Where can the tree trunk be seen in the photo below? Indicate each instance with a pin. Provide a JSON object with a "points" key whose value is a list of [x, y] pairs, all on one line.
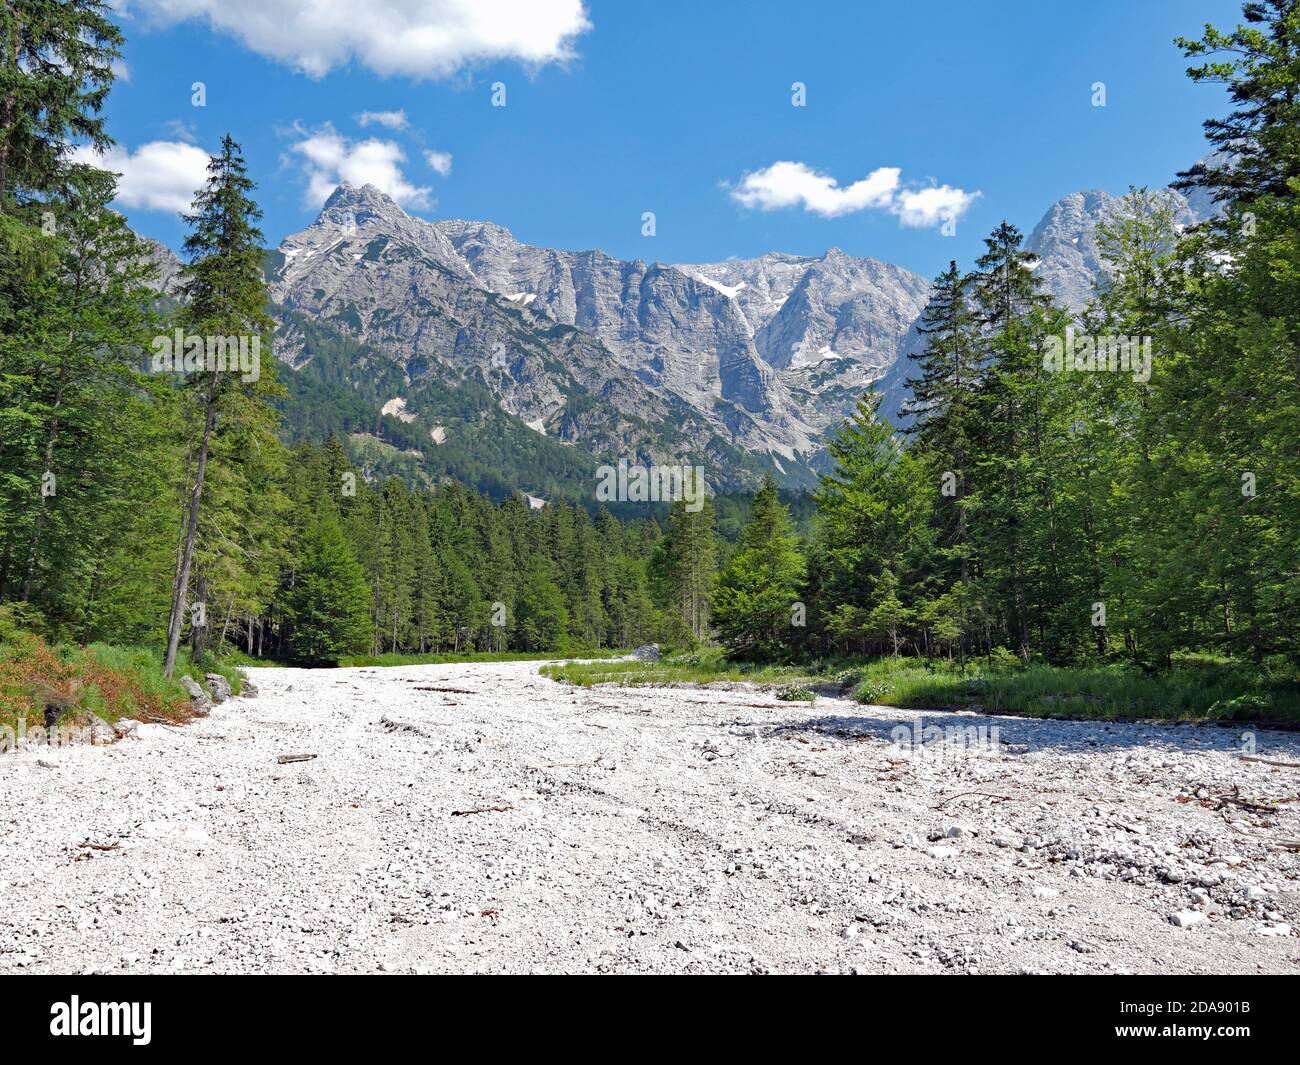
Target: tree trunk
{"points": [[186, 554], [225, 628], [199, 633]]}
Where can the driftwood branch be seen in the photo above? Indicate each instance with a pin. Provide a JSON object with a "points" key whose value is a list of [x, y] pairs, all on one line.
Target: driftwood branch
{"points": [[1268, 761], [964, 794], [483, 810]]}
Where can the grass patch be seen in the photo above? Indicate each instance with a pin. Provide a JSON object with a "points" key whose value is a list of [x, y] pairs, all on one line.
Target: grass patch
{"points": [[1202, 691], [109, 681], [704, 667], [1196, 688]]}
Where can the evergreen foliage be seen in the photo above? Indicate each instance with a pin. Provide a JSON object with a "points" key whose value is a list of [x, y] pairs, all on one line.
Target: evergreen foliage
{"points": [[1042, 507]]}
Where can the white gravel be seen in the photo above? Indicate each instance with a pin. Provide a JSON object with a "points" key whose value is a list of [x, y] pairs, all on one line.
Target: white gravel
{"points": [[662, 830]]}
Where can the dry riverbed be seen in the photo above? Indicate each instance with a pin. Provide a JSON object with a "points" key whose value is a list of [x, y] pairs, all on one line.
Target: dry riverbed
{"points": [[480, 818]]}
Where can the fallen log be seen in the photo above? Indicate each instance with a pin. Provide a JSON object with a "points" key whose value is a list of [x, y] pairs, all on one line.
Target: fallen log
{"points": [[482, 810], [285, 759]]}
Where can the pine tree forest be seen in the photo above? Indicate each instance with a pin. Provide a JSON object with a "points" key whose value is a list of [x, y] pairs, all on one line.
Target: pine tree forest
{"points": [[1117, 486]]}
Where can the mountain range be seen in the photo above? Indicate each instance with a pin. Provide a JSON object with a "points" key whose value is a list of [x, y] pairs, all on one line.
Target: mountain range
{"points": [[449, 348]]}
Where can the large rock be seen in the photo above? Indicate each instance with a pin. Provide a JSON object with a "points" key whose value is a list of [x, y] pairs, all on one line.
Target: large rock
{"points": [[202, 703], [220, 687]]}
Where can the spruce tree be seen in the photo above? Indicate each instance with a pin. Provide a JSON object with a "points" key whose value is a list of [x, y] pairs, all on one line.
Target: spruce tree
{"points": [[871, 509], [689, 563], [542, 617], [56, 69], [225, 297], [757, 592], [329, 607], [944, 403]]}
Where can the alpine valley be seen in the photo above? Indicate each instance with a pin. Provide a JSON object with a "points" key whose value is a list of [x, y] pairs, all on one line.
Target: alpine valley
{"points": [[448, 348]]}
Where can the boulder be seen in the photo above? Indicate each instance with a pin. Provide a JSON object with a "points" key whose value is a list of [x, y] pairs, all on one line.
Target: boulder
{"points": [[219, 685], [197, 695], [648, 652]]}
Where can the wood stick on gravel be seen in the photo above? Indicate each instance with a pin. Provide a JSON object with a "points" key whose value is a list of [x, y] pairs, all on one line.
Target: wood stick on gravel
{"points": [[1268, 761]]}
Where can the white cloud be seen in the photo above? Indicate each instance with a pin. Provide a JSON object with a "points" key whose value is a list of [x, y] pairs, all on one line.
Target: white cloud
{"points": [[439, 162], [417, 38], [389, 119], [158, 176], [791, 184], [787, 184], [329, 159], [923, 208]]}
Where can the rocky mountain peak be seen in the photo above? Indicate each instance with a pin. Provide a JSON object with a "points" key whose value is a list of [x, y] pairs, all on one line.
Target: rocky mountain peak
{"points": [[349, 205], [367, 196], [1065, 241], [762, 355]]}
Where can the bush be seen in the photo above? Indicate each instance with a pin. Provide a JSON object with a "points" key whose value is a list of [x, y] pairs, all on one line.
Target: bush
{"points": [[872, 691], [109, 681], [18, 621], [1242, 707]]}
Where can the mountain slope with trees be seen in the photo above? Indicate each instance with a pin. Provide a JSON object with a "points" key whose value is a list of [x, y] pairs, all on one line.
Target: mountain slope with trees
{"points": [[1111, 486]]}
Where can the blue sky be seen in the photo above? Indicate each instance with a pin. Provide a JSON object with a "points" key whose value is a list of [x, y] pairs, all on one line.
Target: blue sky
{"points": [[614, 109]]}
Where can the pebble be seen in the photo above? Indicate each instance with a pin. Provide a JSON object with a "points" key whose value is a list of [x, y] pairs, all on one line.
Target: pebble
{"points": [[220, 860], [1186, 918]]}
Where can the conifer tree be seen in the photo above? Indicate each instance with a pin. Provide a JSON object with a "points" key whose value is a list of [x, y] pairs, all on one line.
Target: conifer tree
{"points": [[225, 297], [329, 607], [944, 401], [542, 617], [56, 69], [870, 510], [757, 591], [690, 559]]}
